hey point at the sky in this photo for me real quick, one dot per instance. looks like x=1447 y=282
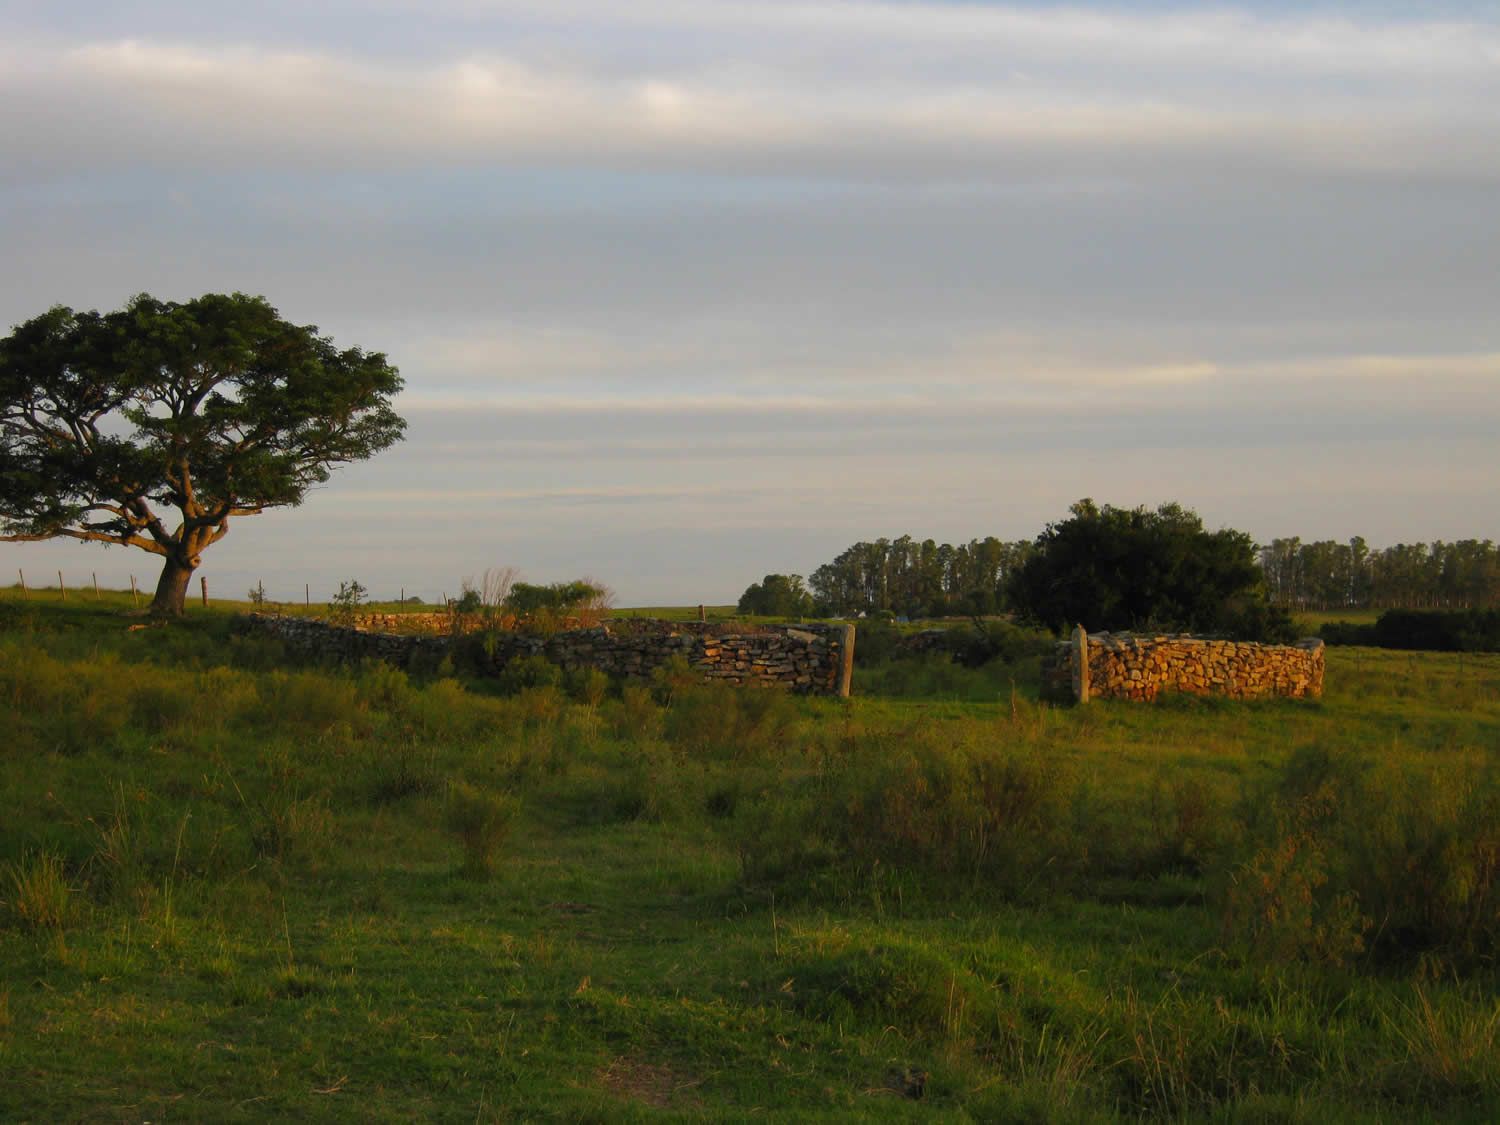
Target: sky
x=685 y=292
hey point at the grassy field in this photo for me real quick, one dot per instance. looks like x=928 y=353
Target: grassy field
x=238 y=889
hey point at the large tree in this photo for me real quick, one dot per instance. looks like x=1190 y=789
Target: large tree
x=1134 y=568
x=115 y=427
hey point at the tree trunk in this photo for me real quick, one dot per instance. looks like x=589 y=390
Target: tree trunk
x=171 y=588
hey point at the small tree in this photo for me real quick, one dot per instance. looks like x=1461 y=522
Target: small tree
x=212 y=409
x=345 y=604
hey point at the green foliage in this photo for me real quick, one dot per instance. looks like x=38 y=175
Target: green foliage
x=777 y=595
x=587 y=685
x=347 y=602
x=926 y=579
x=1134 y=569
x=545 y=609
x=523 y=672
x=1350 y=852
x=1473 y=630
x=215 y=407
x=481 y=820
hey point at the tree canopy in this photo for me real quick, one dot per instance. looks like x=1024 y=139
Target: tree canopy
x=116 y=426
x=777 y=595
x=1134 y=568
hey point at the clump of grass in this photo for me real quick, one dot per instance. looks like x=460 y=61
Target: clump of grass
x=40 y=896
x=1451 y=1048
x=482 y=821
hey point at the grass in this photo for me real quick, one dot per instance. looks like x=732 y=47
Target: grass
x=238 y=889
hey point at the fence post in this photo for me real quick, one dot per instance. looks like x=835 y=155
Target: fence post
x=135 y=595
x=701 y=615
x=61 y=589
x=25 y=593
x=846 y=662
x=1080 y=663
x=203 y=585
x=307 y=595
x=96 y=584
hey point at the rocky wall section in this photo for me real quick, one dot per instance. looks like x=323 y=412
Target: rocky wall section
x=1138 y=667
x=814 y=659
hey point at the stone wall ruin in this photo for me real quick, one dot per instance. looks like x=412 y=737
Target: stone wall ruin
x=1140 y=667
x=813 y=659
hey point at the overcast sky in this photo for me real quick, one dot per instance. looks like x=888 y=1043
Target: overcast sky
x=687 y=291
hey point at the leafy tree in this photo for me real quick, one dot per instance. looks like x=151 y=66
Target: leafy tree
x=777 y=595
x=1119 y=568
x=214 y=408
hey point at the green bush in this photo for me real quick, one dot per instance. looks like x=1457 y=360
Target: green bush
x=587 y=685
x=523 y=672
x=1346 y=852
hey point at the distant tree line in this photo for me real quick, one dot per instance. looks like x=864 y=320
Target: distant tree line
x=919 y=579
x=1327 y=575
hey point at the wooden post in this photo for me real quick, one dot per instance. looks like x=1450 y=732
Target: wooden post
x=846 y=662
x=95 y=573
x=203 y=585
x=307 y=594
x=25 y=593
x=135 y=595
x=61 y=589
x=701 y=615
x=1080 y=663
x=403 y=597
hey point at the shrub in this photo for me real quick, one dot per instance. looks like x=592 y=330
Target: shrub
x=384 y=686
x=587 y=685
x=533 y=671
x=481 y=820
x=637 y=717
x=1402 y=857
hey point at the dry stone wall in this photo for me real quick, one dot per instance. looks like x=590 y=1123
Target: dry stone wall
x=814 y=659
x=1132 y=666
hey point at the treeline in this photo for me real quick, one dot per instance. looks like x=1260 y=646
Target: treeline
x=1454 y=630
x=928 y=579
x=920 y=579
x=1328 y=575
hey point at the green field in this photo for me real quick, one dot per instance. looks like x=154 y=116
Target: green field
x=238 y=889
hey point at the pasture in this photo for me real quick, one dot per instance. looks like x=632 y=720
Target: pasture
x=235 y=888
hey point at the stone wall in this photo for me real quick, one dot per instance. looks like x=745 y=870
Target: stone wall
x=815 y=659
x=1129 y=666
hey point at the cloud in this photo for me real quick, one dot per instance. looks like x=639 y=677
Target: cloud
x=808 y=88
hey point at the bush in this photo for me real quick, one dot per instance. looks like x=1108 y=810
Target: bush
x=482 y=821
x=1348 y=852
x=523 y=672
x=587 y=685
